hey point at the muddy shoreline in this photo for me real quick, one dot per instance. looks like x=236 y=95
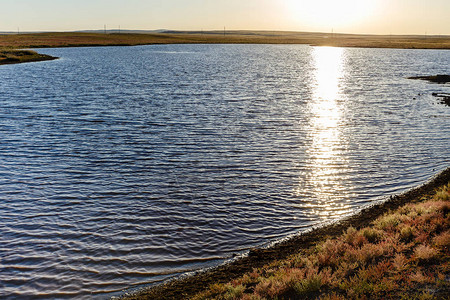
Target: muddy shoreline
x=184 y=288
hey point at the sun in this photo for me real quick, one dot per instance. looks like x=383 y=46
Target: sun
x=331 y=13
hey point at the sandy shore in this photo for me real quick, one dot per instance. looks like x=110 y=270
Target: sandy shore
x=187 y=287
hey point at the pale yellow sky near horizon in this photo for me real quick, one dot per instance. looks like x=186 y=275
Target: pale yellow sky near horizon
x=430 y=17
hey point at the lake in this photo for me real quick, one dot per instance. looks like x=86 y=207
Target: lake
x=121 y=167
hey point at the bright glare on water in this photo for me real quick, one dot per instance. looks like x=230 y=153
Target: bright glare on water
x=125 y=166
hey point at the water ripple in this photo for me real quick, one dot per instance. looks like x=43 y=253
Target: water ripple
x=122 y=167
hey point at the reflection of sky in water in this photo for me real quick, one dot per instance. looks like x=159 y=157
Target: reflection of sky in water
x=328 y=160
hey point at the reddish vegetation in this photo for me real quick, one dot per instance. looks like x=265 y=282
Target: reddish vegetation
x=398 y=249
x=403 y=254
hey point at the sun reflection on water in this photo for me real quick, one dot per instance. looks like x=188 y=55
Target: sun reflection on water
x=328 y=165
x=325 y=112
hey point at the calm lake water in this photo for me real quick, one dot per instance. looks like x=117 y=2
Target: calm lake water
x=125 y=166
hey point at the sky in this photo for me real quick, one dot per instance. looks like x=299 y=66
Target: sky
x=431 y=17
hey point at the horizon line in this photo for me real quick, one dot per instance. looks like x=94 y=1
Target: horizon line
x=119 y=30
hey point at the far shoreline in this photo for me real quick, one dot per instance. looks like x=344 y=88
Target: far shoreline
x=85 y=39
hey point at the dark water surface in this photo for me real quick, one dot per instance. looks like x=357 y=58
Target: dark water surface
x=124 y=166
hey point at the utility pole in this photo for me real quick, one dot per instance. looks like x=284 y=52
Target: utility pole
x=119 y=29
x=104 y=28
x=223 y=30
x=18 y=30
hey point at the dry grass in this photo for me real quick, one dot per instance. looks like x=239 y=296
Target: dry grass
x=402 y=255
x=11 y=56
x=72 y=39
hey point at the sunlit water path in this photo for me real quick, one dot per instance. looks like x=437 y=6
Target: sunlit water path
x=125 y=166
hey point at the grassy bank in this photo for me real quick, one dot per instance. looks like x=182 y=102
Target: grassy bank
x=398 y=249
x=78 y=39
x=11 y=56
x=403 y=254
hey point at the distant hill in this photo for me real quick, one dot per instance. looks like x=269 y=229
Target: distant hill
x=117 y=30
x=111 y=30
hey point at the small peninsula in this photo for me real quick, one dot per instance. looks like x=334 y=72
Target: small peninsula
x=12 y=56
x=441 y=78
